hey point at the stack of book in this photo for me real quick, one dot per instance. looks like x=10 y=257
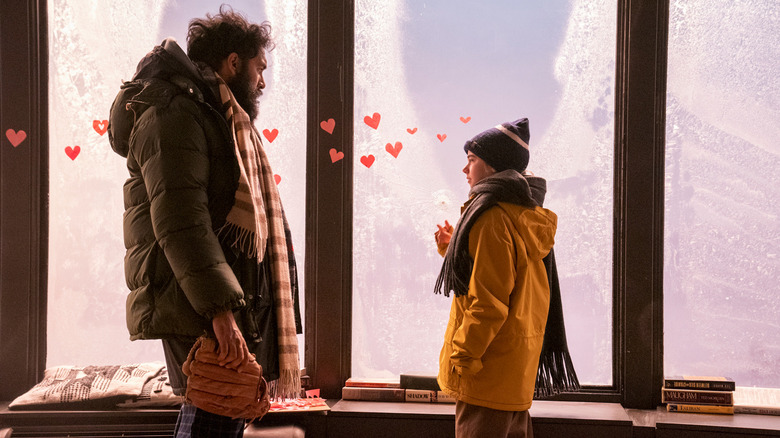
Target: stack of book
x=409 y=388
x=372 y=390
x=699 y=394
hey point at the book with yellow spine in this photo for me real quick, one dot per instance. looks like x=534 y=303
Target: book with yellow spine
x=700 y=409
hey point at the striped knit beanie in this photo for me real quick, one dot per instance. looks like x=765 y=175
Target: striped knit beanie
x=504 y=146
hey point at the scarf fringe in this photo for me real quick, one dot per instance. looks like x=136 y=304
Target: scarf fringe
x=555 y=375
x=244 y=240
x=453 y=283
x=287 y=386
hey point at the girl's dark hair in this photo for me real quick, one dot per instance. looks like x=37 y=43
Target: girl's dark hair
x=213 y=38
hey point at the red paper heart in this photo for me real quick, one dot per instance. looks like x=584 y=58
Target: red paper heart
x=271 y=135
x=335 y=155
x=278 y=179
x=328 y=125
x=465 y=119
x=15 y=137
x=72 y=152
x=411 y=130
x=394 y=151
x=372 y=121
x=441 y=137
x=367 y=160
x=100 y=126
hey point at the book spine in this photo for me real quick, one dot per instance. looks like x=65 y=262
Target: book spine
x=373 y=394
x=697 y=397
x=370 y=384
x=409 y=381
x=758 y=410
x=703 y=385
x=420 y=395
x=700 y=409
x=428 y=396
x=443 y=397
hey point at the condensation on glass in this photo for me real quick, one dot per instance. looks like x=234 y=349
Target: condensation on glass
x=94 y=46
x=722 y=234
x=437 y=73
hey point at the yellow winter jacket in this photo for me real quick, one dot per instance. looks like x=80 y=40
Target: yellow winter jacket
x=495 y=332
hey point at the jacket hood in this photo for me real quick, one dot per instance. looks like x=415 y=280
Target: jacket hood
x=537 y=229
x=162 y=74
x=164 y=61
x=522 y=196
x=538 y=187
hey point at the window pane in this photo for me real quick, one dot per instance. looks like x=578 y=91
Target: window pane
x=87 y=62
x=422 y=66
x=722 y=235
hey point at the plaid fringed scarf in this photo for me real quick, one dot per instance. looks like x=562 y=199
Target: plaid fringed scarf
x=257 y=221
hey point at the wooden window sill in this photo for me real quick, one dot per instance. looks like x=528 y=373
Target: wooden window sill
x=353 y=418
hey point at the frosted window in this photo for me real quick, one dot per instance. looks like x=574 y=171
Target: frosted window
x=93 y=46
x=422 y=66
x=722 y=235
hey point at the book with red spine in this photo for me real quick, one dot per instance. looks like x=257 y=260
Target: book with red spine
x=372 y=382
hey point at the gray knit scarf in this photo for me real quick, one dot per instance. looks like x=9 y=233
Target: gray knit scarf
x=505 y=186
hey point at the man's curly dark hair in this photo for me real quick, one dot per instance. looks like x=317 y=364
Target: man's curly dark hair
x=213 y=38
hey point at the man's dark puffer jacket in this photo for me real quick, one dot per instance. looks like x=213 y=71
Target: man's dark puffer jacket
x=183 y=177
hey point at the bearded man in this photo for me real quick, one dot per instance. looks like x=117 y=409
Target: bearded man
x=208 y=245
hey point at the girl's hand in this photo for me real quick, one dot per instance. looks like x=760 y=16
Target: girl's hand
x=444 y=234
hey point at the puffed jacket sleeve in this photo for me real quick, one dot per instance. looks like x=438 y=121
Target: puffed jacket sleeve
x=487 y=302
x=174 y=160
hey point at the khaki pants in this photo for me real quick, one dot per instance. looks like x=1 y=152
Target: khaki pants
x=477 y=421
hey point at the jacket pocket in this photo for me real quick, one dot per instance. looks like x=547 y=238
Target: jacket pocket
x=454 y=379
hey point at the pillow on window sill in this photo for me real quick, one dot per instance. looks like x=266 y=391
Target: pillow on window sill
x=96 y=387
x=156 y=393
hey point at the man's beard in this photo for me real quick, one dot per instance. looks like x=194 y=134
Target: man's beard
x=244 y=94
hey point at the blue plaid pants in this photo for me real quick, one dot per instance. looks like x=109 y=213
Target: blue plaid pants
x=197 y=423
